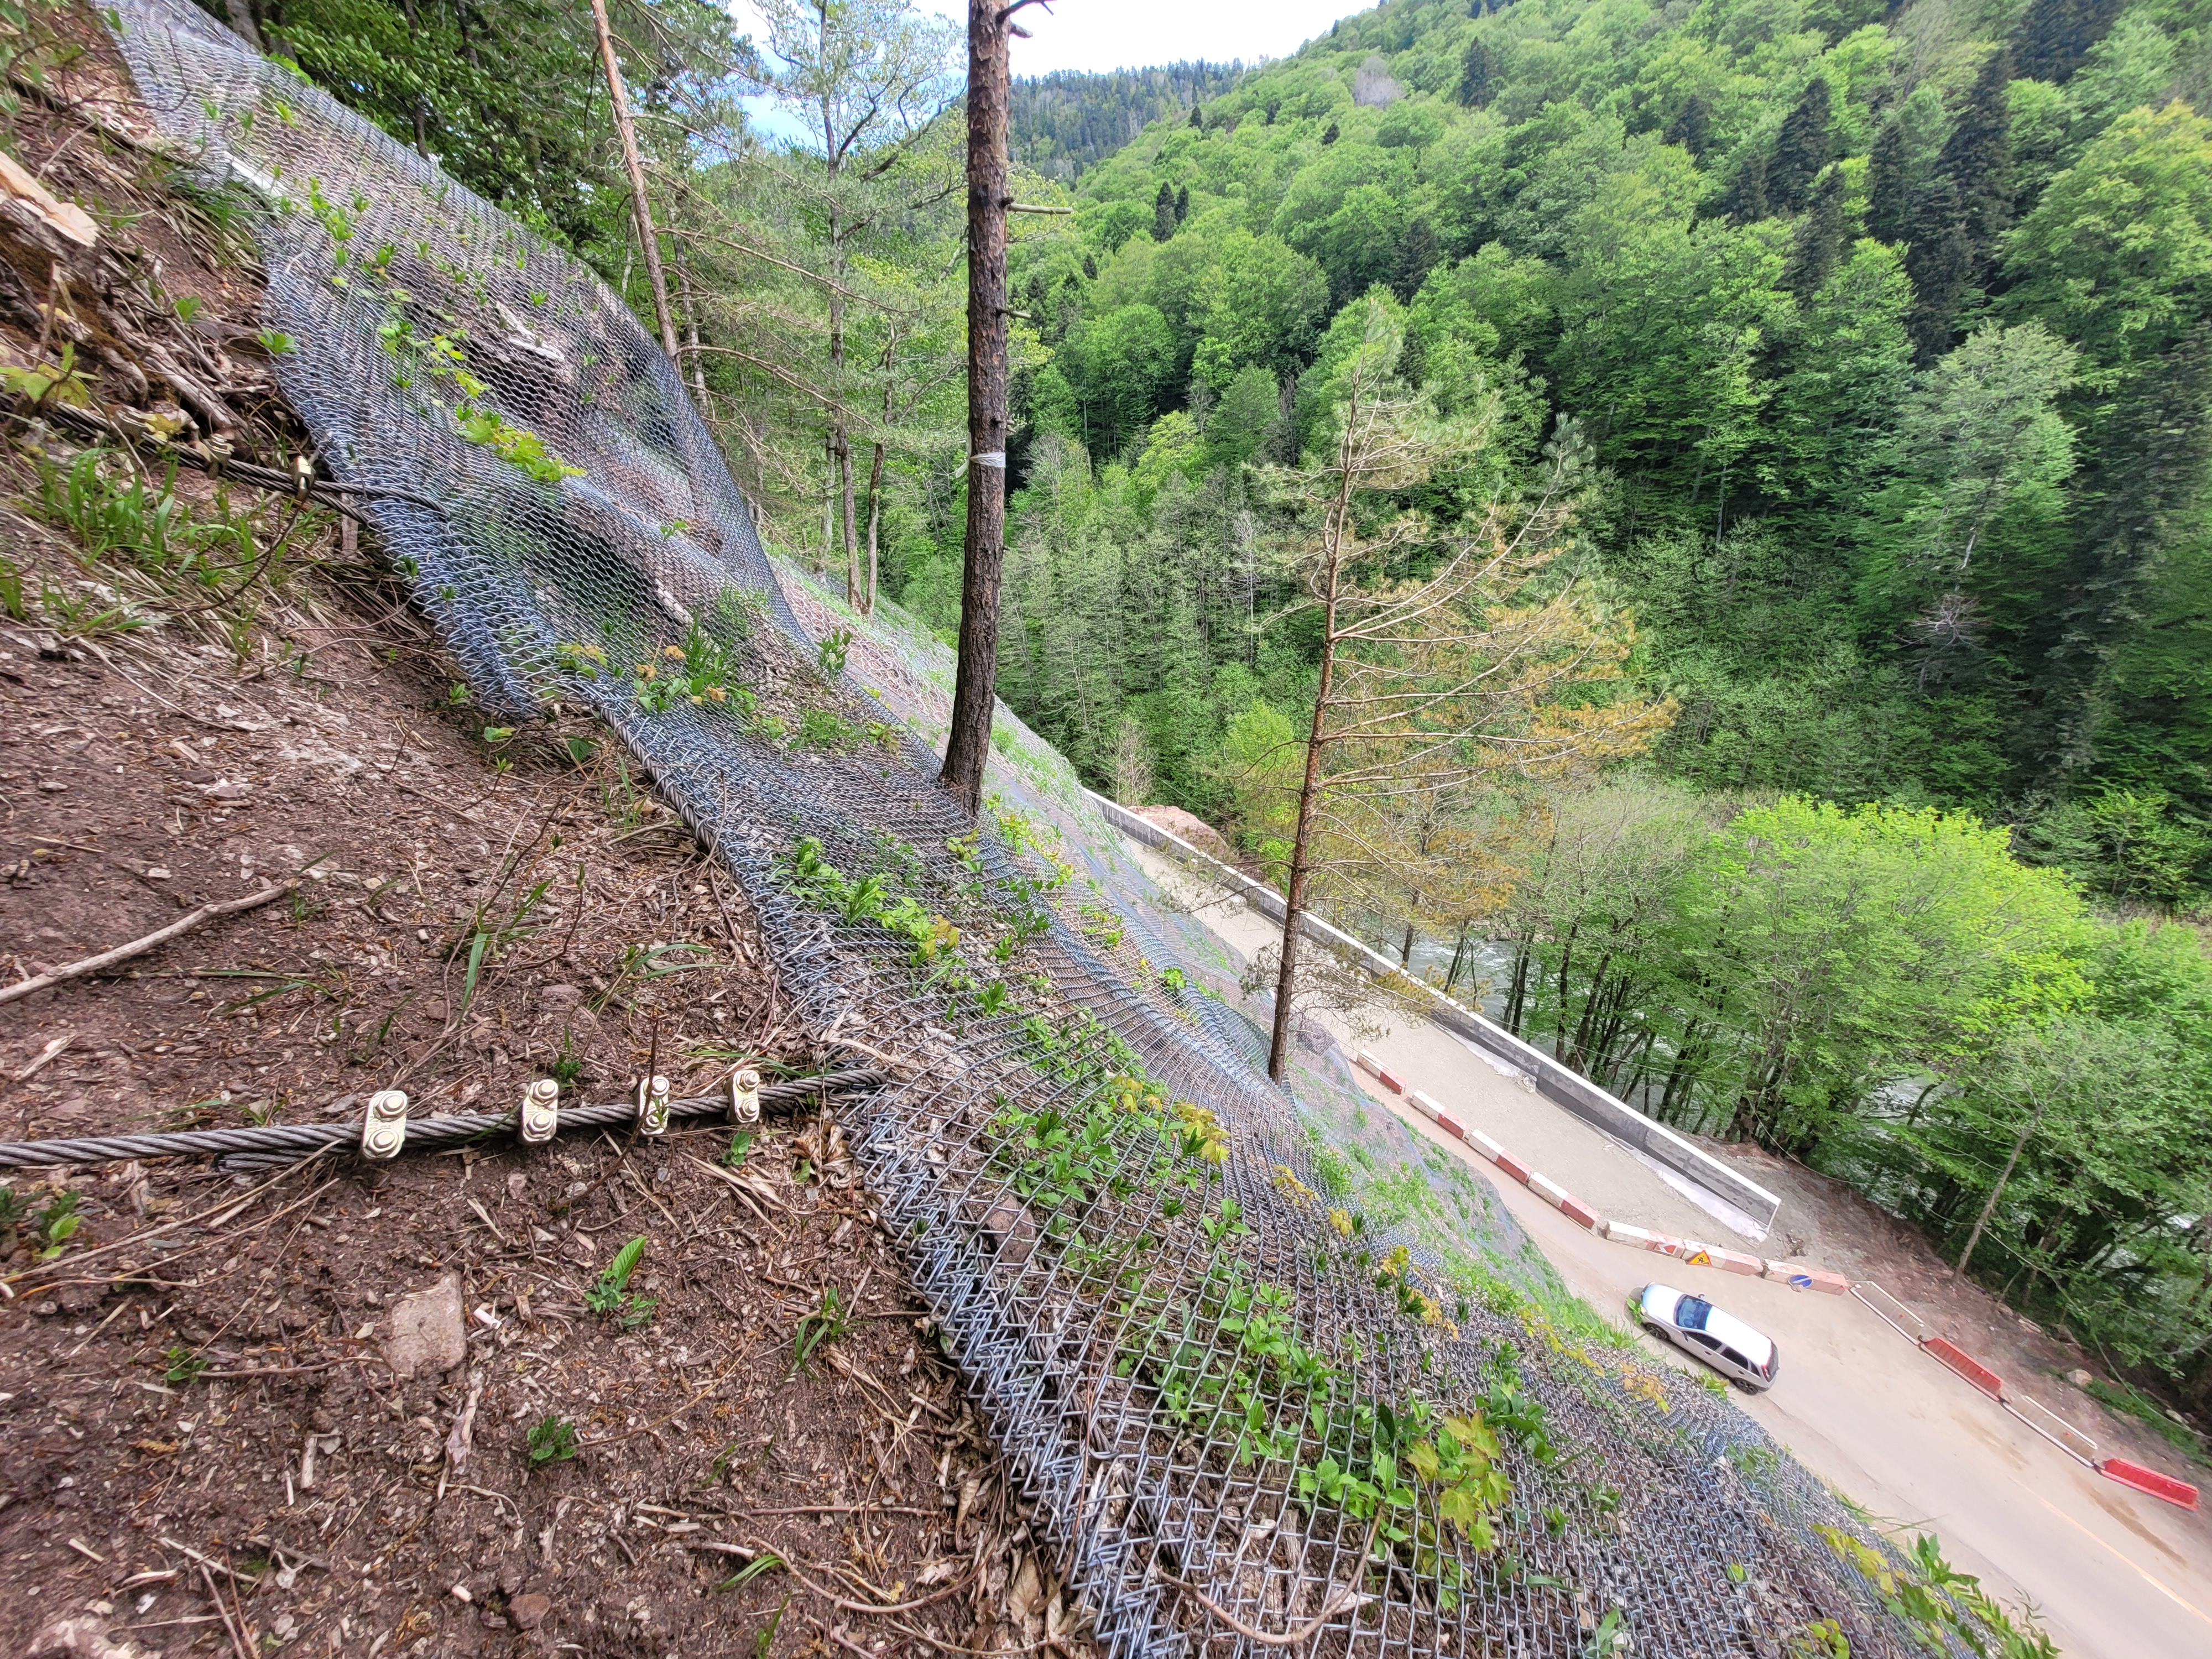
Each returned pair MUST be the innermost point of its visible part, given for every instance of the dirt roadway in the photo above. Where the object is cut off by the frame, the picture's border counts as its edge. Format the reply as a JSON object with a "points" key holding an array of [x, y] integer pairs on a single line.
{"points": [[2114, 1575]]}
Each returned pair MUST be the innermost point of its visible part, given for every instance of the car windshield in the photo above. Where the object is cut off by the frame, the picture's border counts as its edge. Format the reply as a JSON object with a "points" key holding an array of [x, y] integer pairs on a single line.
{"points": [[1690, 1313]]}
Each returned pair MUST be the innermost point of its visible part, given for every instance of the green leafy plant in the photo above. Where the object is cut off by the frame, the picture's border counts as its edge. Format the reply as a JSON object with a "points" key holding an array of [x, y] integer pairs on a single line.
{"points": [[821, 728], [816, 1330], [765, 1639], [184, 1366], [830, 653], [54, 1224], [753, 1569], [612, 1299], [62, 382], [584, 661], [550, 1440], [517, 446], [733, 1156], [277, 343]]}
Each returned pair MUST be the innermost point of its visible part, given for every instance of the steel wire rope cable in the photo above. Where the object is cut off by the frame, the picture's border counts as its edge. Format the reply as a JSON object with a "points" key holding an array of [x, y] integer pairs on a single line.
{"points": [[447, 1130], [656, 530]]}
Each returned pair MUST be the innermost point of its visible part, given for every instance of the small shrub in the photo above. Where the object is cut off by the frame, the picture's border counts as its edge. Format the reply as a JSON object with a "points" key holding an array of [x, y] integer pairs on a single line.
{"points": [[551, 1440]]}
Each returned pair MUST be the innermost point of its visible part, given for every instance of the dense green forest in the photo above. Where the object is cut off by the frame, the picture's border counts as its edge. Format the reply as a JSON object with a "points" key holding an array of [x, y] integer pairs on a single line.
{"points": [[1062, 123], [1891, 336], [1860, 358]]}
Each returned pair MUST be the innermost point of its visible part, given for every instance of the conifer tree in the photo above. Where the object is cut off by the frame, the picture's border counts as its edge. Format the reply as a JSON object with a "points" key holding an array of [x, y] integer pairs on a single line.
{"points": [[2054, 36], [1417, 257], [1164, 213], [1693, 127], [1820, 238], [1475, 75], [1745, 201], [1183, 203], [2152, 469], [1889, 184], [1940, 261], [1802, 149], [1978, 158]]}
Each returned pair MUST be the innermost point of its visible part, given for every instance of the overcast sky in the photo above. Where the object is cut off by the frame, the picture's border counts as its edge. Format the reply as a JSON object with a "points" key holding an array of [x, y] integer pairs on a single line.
{"points": [[1104, 34]]}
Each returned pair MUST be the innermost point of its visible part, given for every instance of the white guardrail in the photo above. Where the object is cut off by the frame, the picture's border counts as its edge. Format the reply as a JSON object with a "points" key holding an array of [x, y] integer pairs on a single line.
{"points": [[1556, 1082]]}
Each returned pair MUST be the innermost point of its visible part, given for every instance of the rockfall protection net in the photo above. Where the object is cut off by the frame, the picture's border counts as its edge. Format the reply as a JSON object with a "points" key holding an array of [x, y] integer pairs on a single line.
{"points": [[1247, 1421]]}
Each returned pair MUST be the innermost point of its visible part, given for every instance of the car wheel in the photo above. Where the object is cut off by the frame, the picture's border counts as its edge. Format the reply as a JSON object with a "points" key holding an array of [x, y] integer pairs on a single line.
{"points": [[1747, 1387], [1656, 1331]]}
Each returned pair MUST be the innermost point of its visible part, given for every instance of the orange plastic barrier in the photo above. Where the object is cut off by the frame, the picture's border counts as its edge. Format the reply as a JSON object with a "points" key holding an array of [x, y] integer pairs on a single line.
{"points": [[1951, 1354], [2175, 1491]]}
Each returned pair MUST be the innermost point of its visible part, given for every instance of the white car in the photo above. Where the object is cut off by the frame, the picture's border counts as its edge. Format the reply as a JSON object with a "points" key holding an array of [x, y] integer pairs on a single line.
{"points": [[1704, 1332]]}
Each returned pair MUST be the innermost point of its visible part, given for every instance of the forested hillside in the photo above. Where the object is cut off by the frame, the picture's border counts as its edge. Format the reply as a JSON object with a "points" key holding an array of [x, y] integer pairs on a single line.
{"points": [[1068, 120], [1833, 383], [1888, 335]]}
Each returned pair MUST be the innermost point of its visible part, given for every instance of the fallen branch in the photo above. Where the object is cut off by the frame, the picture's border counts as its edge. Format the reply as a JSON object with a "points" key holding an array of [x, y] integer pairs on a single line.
{"points": [[851, 1605], [183, 925], [1342, 1598]]}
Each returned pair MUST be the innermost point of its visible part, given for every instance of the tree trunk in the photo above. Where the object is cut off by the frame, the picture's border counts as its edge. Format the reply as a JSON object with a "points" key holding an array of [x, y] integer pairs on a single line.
{"points": [[1459, 958], [1406, 949], [1523, 950], [1997, 1191], [968, 744], [640, 207], [852, 542], [1566, 958], [1294, 898], [692, 330], [875, 518], [239, 14]]}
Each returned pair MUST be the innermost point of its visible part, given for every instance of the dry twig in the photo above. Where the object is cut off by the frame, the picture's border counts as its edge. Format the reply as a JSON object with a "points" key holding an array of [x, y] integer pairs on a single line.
{"points": [[206, 913]]}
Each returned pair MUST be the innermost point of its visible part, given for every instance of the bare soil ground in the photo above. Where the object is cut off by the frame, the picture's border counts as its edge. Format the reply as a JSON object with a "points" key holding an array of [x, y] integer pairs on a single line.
{"points": [[294, 1407]]}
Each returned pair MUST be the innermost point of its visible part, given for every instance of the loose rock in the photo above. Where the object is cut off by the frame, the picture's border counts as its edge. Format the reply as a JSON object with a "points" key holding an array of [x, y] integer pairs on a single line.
{"points": [[428, 1335]]}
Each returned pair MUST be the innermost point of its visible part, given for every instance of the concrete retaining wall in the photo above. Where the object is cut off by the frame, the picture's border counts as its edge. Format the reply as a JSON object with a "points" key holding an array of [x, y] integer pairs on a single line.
{"points": [[1556, 1082]]}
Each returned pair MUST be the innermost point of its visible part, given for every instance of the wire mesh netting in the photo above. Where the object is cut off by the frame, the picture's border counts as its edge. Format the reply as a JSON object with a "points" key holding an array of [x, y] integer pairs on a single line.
{"points": [[1249, 1420]]}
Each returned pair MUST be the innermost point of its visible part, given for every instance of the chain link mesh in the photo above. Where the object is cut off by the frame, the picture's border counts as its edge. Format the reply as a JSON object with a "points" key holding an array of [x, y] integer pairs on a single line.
{"points": [[1248, 1423]]}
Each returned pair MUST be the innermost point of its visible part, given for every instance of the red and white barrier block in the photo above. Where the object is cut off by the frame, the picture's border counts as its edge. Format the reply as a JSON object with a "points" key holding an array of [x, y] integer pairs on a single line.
{"points": [[1375, 1068], [1689, 1251], [2179, 1493]]}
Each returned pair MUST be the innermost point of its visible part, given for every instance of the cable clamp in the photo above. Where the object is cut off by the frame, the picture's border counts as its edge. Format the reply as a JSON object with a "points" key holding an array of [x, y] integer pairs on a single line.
{"points": [[384, 1130], [540, 1116], [745, 1096], [303, 474], [651, 1105]]}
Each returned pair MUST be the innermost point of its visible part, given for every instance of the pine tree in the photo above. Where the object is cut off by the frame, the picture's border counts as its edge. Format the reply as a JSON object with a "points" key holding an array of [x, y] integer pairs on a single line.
{"points": [[1693, 128], [1417, 256], [2156, 455], [2054, 36], [1183, 203], [1820, 240], [1745, 201], [1475, 75], [1978, 158], [1889, 184], [1164, 213], [1940, 261], [1802, 149]]}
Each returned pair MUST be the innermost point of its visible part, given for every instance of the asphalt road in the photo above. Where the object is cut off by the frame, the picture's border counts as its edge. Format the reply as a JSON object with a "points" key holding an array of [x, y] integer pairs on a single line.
{"points": [[2114, 1574]]}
